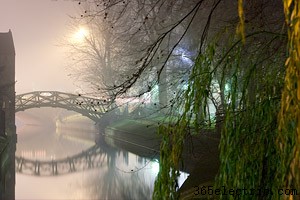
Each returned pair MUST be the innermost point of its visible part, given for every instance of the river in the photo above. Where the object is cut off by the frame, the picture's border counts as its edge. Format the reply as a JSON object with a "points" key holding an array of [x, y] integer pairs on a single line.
{"points": [[53, 134]]}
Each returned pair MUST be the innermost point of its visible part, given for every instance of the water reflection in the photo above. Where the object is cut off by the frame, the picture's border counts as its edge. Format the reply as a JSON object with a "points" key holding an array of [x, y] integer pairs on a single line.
{"points": [[43, 134], [120, 180], [53, 134]]}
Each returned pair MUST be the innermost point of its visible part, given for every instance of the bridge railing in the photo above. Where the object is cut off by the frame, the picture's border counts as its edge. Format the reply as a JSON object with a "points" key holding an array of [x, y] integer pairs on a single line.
{"points": [[90, 107]]}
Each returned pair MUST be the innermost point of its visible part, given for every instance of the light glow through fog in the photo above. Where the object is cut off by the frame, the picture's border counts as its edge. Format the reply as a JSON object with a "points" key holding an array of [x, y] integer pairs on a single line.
{"points": [[80, 35]]}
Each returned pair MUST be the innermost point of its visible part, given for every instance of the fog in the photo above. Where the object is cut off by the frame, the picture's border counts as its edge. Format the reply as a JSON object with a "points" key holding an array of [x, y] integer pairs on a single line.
{"points": [[47, 134], [38, 27]]}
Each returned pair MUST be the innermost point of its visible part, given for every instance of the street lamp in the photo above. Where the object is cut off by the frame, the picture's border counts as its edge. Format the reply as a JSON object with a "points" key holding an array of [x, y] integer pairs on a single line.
{"points": [[80, 35]]}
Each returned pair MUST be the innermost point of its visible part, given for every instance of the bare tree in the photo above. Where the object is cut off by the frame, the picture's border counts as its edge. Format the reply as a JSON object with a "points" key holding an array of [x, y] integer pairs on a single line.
{"points": [[136, 47]]}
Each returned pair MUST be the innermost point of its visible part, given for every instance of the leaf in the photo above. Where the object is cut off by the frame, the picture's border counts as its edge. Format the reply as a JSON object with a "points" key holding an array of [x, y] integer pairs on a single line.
{"points": [[298, 89], [287, 61]]}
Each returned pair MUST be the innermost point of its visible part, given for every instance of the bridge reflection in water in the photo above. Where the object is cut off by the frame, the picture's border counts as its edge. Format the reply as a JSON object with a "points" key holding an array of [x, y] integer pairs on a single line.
{"points": [[97, 172], [90, 158], [89, 107]]}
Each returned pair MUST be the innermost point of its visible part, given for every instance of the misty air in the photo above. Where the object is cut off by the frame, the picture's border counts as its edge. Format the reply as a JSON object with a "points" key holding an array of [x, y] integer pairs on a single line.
{"points": [[149, 99]]}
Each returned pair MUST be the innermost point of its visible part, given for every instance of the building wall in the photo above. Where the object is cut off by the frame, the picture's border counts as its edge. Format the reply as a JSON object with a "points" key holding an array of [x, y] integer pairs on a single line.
{"points": [[7, 106]]}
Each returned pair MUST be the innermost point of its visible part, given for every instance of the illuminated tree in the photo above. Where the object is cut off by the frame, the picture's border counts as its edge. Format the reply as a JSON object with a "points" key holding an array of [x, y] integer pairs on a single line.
{"points": [[92, 50]]}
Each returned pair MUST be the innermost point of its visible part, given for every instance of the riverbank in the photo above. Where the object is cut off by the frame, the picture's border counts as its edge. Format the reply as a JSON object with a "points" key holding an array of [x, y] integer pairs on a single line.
{"points": [[139, 137]]}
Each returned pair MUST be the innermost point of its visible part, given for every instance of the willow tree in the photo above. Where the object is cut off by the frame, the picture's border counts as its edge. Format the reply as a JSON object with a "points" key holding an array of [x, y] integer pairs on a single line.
{"points": [[269, 158], [288, 140], [251, 67]]}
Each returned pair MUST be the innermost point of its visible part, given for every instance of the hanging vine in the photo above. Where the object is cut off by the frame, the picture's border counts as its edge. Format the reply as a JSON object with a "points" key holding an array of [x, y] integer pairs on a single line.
{"points": [[288, 139], [241, 25], [247, 154], [175, 134], [251, 105]]}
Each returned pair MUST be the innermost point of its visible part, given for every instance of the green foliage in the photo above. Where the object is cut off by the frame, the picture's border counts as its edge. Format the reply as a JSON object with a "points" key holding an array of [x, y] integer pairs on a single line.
{"points": [[173, 135], [247, 152], [260, 140], [166, 183], [248, 155], [288, 140]]}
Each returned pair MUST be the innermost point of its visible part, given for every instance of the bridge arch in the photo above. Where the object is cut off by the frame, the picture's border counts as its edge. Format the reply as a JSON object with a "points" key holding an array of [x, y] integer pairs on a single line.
{"points": [[89, 107], [94, 157]]}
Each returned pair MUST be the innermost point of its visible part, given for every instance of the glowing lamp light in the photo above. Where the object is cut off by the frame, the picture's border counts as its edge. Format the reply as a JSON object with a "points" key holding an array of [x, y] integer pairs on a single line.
{"points": [[80, 35]]}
